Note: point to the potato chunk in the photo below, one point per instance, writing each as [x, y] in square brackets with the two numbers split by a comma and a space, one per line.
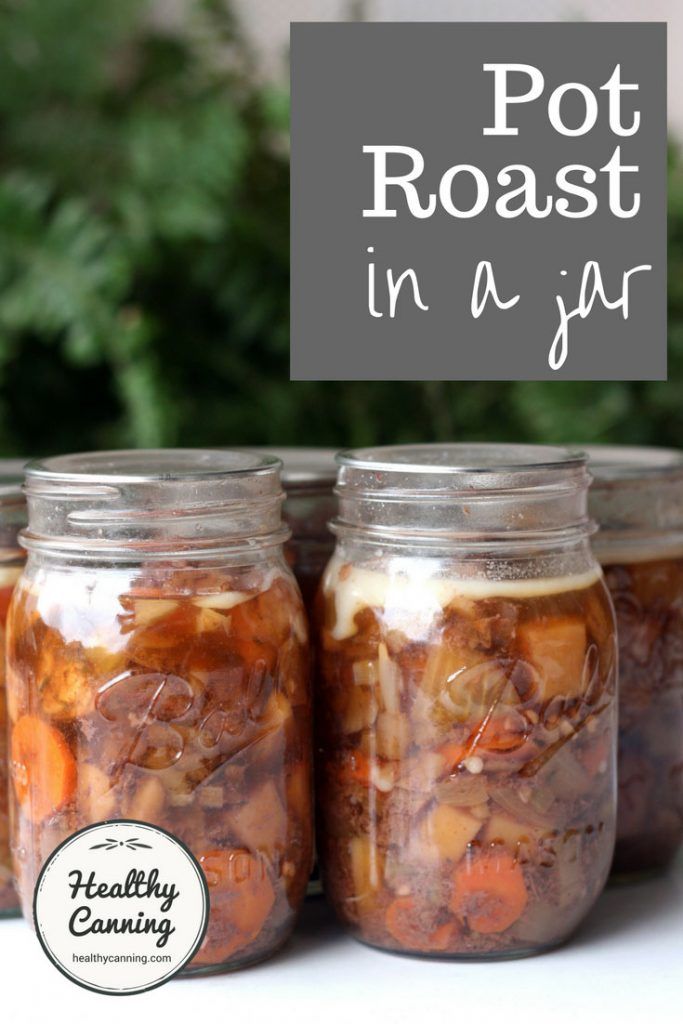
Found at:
[556, 648]
[261, 822]
[366, 869]
[148, 610]
[448, 831]
[514, 835]
[208, 620]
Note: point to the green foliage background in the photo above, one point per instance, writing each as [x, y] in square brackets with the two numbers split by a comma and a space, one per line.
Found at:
[144, 247]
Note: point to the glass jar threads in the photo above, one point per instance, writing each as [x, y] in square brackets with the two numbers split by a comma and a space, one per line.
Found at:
[158, 670]
[12, 518]
[637, 500]
[466, 701]
[308, 478]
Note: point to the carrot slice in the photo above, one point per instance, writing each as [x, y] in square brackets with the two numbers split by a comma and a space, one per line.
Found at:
[489, 892]
[355, 768]
[500, 734]
[452, 755]
[405, 923]
[43, 767]
[242, 897]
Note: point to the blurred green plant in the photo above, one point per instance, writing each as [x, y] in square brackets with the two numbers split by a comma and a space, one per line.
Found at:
[144, 259]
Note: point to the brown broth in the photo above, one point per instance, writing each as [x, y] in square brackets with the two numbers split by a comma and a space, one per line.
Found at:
[648, 599]
[178, 697]
[466, 770]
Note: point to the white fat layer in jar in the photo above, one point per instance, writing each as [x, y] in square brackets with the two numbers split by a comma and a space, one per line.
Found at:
[413, 598]
[623, 553]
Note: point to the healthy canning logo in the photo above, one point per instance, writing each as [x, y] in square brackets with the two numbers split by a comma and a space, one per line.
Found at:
[120, 907]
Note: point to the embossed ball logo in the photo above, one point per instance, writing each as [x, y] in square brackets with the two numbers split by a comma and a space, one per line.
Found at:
[120, 907]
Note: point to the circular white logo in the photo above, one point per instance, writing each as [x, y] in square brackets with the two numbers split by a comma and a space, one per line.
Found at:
[120, 907]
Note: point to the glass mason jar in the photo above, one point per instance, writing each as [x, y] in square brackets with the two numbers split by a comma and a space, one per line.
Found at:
[308, 478]
[637, 499]
[467, 714]
[158, 670]
[12, 519]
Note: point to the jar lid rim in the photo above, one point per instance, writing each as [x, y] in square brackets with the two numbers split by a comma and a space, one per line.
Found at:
[306, 466]
[11, 480]
[151, 465]
[462, 458]
[609, 464]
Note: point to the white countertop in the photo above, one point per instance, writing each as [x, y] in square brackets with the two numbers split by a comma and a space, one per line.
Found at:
[625, 965]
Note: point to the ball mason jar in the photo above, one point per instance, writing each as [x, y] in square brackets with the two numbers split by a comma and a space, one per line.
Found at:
[466, 701]
[158, 671]
[308, 478]
[12, 519]
[637, 499]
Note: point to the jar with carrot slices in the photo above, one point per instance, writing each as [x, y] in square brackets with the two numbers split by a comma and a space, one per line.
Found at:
[158, 670]
[466, 701]
[12, 519]
[637, 500]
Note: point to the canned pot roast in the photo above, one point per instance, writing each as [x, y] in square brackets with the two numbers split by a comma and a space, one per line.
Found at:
[467, 713]
[637, 499]
[158, 670]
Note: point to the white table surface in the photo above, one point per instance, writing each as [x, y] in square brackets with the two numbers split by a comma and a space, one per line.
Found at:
[625, 965]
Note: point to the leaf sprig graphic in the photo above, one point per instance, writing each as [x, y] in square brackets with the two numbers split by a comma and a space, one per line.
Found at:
[115, 844]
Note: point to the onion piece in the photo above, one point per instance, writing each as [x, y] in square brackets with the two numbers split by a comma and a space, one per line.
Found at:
[509, 800]
[462, 790]
[389, 681]
[565, 775]
[443, 665]
[224, 600]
